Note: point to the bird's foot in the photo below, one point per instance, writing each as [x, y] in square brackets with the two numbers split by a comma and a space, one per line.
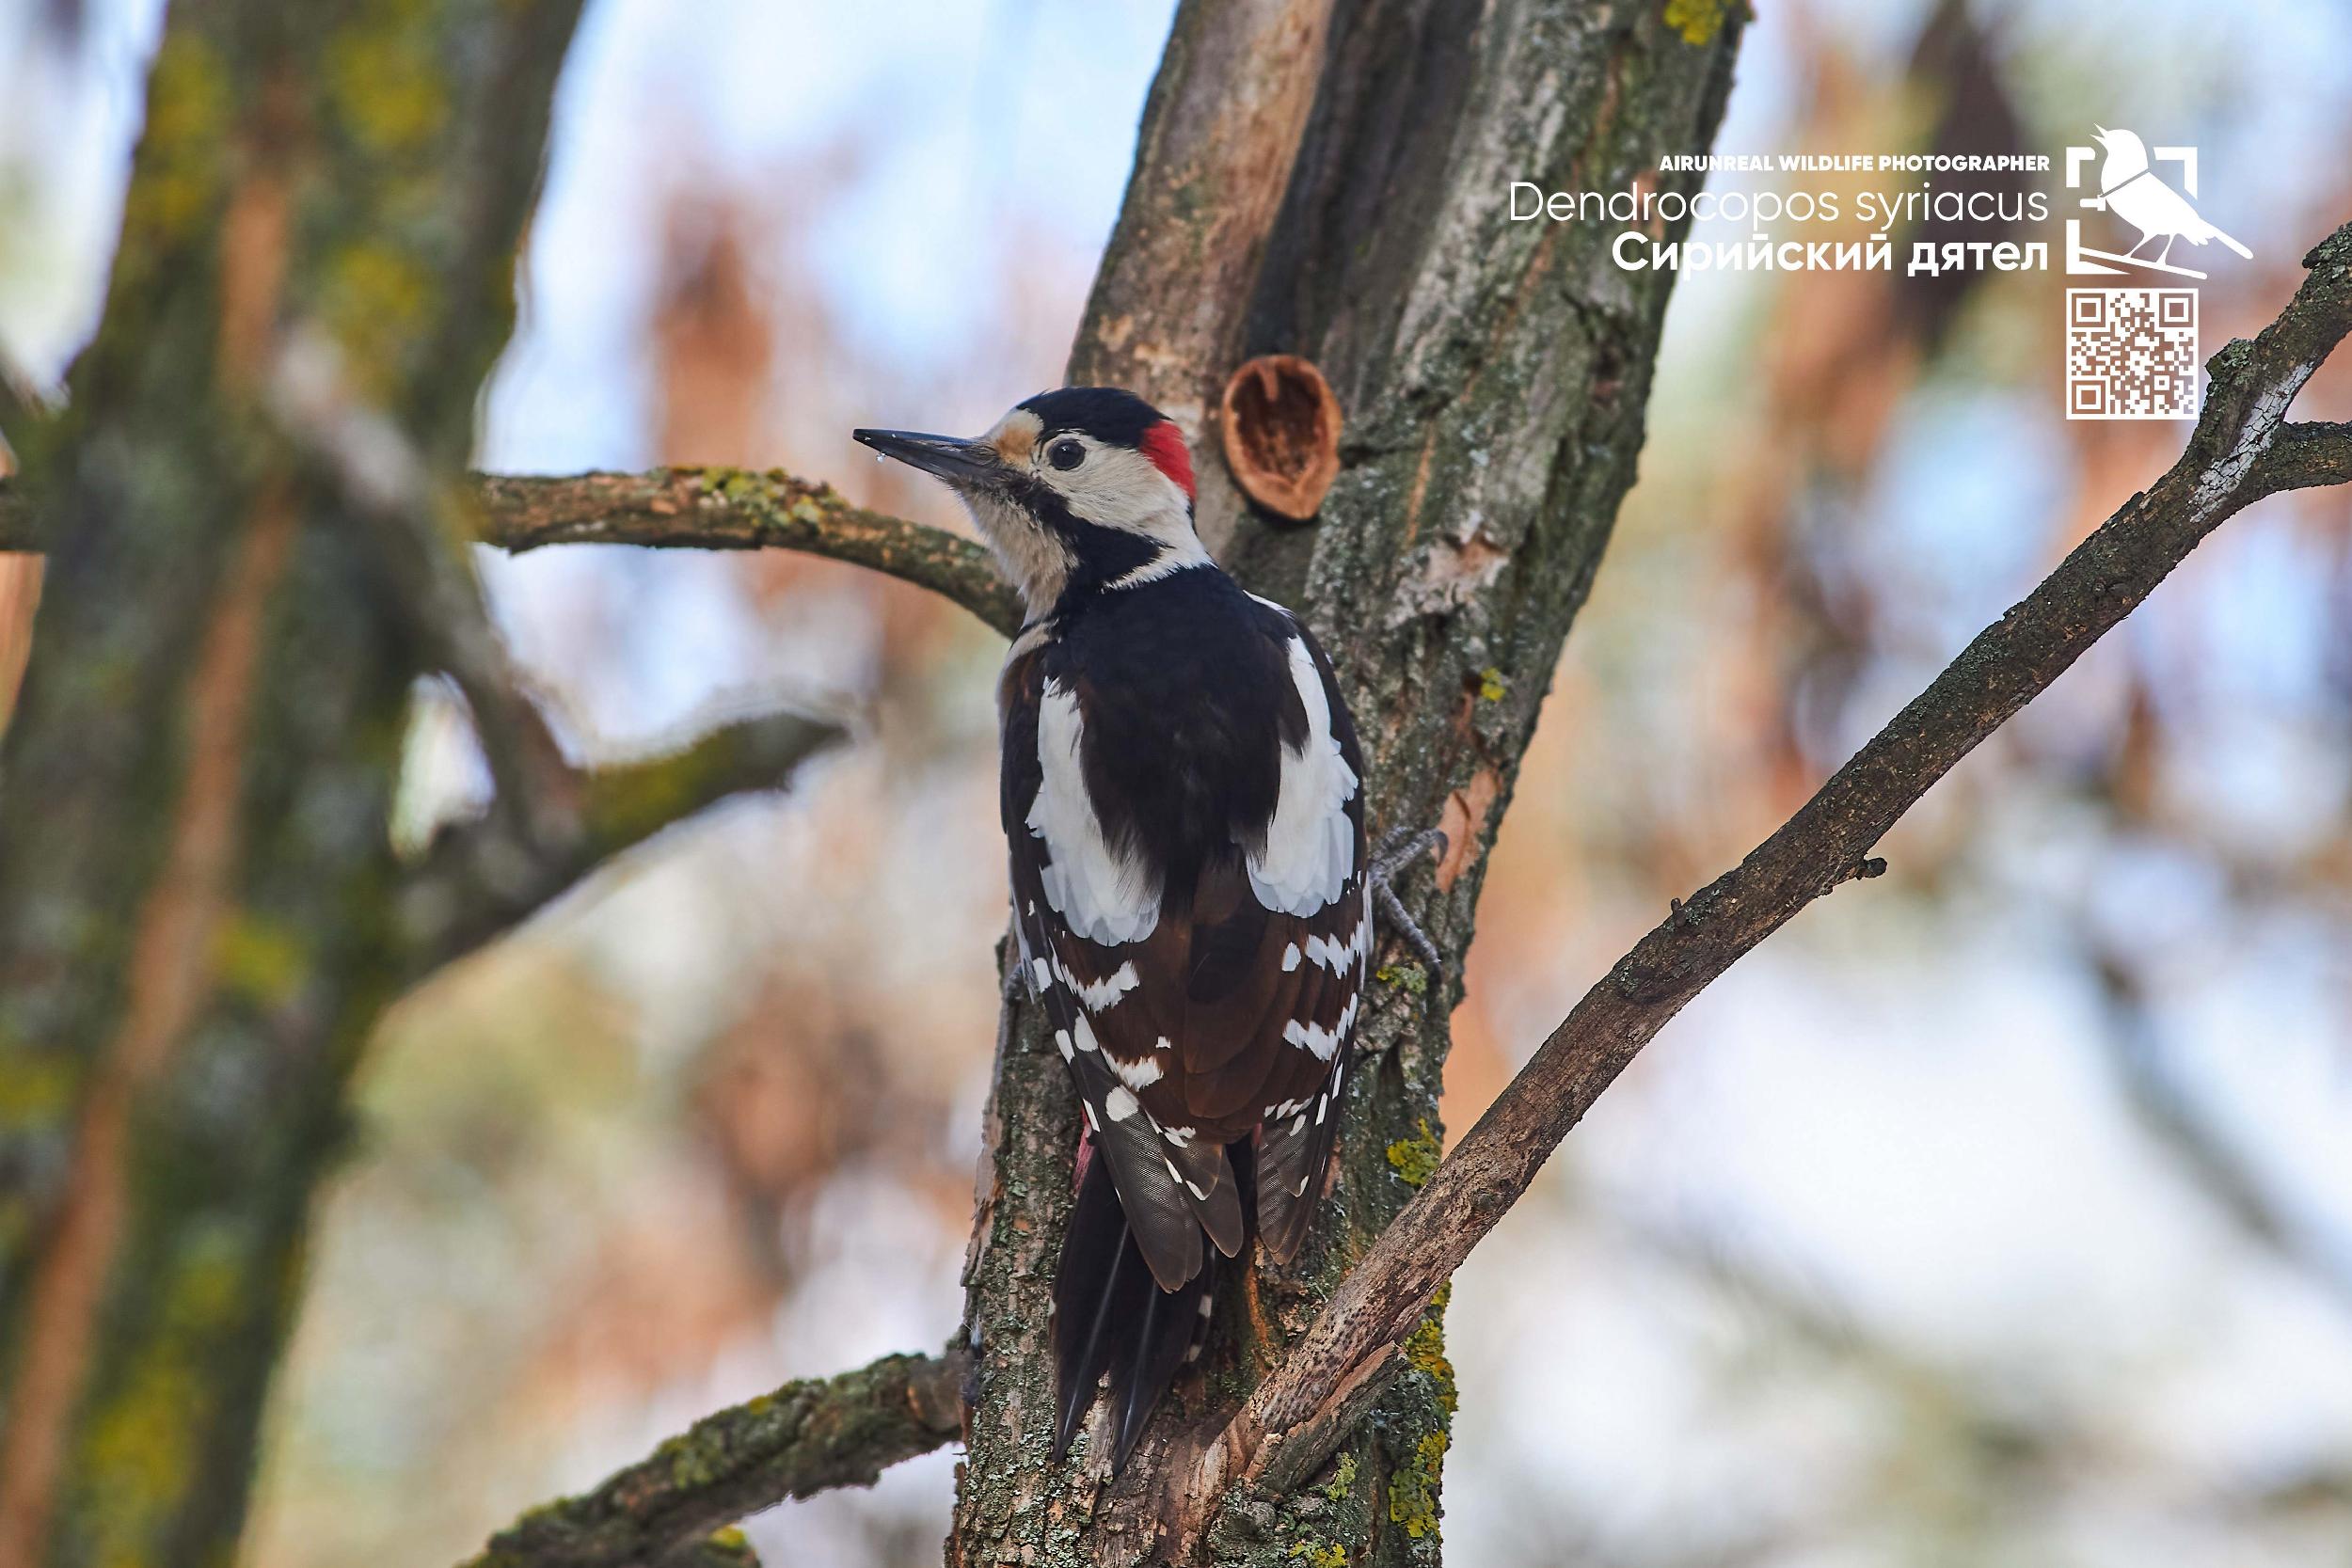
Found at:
[1394, 857]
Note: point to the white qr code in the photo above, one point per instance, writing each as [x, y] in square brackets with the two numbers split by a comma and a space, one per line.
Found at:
[2131, 354]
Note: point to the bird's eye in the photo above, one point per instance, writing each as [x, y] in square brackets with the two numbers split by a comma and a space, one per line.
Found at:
[1065, 455]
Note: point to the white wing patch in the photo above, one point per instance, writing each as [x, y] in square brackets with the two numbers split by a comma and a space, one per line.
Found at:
[1138, 1076]
[1323, 1044]
[1311, 845]
[1104, 896]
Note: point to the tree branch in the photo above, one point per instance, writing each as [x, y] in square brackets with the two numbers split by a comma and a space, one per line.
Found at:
[736, 509]
[419, 551]
[703, 509]
[2205, 1155]
[475, 882]
[2235, 455]
[548, 824]
[2305, 455]
[805, 1437]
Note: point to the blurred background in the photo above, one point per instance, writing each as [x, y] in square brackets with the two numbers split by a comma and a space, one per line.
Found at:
[1999, 1211]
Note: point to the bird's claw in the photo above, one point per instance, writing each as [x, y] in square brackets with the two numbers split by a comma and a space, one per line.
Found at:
[1395, 856]
[1397, 850]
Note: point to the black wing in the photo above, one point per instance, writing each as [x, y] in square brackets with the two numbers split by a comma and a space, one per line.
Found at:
[1302, 1097]
[1173, 1184]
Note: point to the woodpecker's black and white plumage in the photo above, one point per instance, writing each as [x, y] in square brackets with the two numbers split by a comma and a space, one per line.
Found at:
[1183, 799]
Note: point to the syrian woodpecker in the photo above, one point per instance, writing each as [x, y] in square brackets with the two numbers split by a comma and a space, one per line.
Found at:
[1182, 796]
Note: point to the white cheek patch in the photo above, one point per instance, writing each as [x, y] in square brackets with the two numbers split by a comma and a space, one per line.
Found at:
[1105, 895]
[1120, 489]
[1311, 845]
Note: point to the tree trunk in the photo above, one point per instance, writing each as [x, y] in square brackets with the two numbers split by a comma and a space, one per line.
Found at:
[1493, 377]
[197, 889]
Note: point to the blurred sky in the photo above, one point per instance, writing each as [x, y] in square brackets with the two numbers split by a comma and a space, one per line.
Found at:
[1883, 1255]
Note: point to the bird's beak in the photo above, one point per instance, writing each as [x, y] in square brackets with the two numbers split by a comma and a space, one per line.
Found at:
[959, 461]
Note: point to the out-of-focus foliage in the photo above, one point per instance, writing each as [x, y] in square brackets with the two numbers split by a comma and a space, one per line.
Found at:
[1997, 1213]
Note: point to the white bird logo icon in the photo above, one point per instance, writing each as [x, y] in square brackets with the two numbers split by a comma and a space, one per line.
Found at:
[2133, 191]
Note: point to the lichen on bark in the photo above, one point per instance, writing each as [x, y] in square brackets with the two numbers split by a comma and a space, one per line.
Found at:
[197, 909]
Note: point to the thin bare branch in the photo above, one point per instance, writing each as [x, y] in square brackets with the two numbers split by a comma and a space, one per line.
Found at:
[2233, 457]
[808, 1436]
[474, 884]
[535, 797]
[2205, 1154]
[699, 509]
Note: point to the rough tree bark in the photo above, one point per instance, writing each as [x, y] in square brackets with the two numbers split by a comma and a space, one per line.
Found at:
[250, 505]
[1493, 378]
[196, 886]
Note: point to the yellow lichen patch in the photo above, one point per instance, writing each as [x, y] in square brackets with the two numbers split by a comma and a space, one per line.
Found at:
[181, 174]
[1342, 1479]
[1425, 1350]
[142, 1449]
[1490, 684]
[1406, 977]
[1320, 1554]
[1697, 21]
[1413, 1490]
[36, 1086]
[385, 91]
[378, 297]
[259, 958]
[1415, 1159]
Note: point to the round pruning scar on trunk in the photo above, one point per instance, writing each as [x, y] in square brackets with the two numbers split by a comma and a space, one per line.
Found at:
[1281, 433]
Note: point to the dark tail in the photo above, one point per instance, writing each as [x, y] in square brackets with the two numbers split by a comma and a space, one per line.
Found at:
[1111, 1316]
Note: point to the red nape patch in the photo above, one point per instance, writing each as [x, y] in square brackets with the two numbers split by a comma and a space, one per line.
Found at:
[1163, 444]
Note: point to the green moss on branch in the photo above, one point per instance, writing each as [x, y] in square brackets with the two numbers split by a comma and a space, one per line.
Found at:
[699, 509]
[808, 1436]
[741, 509]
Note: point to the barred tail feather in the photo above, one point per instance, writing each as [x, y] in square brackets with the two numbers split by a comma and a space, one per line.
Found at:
[1293, 1153]
[1111, 1316]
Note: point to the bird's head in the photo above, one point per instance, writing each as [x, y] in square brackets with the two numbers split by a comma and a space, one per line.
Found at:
[1084, 488]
